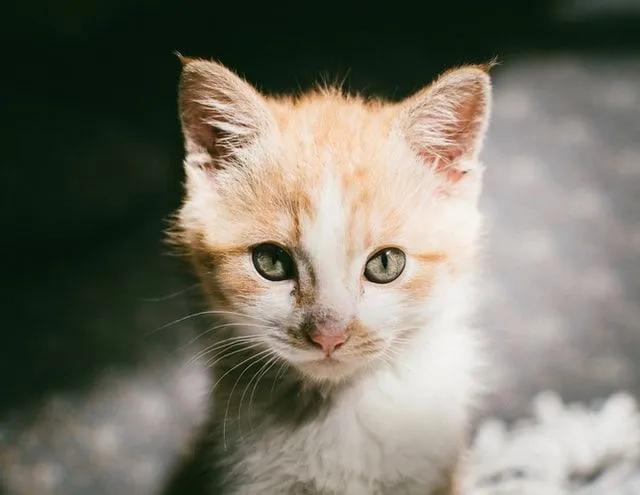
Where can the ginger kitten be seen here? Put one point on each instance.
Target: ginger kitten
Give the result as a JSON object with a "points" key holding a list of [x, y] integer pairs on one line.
{"points": [[336, 240]]}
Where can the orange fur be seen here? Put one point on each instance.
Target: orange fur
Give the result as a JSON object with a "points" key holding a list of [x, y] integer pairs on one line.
{"points": [[398, 182]]}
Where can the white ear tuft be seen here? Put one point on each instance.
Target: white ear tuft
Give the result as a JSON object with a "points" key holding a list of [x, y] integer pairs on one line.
{"points": [[220, 112], [445, 122]]}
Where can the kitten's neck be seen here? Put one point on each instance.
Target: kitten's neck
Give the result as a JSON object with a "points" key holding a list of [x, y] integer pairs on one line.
{"points": [[264, 391]]}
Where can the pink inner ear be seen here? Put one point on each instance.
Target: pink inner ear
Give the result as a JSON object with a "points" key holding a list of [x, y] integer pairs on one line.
{"points": [[455, 138], [454, 175], [444, 162]]}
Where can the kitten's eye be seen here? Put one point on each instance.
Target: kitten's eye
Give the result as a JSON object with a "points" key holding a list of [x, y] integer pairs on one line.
{"points": [[385, 266], [273, 263]]}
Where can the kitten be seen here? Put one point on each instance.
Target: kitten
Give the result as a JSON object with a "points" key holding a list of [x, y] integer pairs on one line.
{"points": [[336, 241]]}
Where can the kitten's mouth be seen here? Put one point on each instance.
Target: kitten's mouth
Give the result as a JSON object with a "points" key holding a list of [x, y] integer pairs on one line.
{"points": [[333, 368], [327, 360], [328, 369]]}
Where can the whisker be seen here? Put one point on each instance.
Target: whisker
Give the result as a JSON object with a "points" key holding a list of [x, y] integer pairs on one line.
{"points": [[386, 360], [257, 374], [283, 367], [405, 329], [391, 353], [273, 362], [256, 359], [208, 312], [226, 411], [224, 325], [246, 388], [215, 359], [265, 351], [234, 338], [241, 315], [232, 341], [180, 320], [170, 295]]}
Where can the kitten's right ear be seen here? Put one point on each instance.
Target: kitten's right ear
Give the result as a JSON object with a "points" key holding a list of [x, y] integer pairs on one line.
{"points": [[221, 114], [445, 123]]}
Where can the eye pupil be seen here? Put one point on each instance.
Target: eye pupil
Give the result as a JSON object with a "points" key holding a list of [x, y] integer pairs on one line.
{"points": [[384, 259], [275, 256]]}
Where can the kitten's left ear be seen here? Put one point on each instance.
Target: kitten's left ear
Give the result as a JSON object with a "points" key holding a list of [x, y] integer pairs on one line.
{"points": [[445, 123]]}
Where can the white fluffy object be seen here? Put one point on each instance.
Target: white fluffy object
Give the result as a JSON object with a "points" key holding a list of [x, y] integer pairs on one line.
{"points": [[563, 450]]}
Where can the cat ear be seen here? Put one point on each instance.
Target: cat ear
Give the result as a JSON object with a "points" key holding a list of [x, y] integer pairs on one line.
{"points": [[445, 123], [220, 113]]}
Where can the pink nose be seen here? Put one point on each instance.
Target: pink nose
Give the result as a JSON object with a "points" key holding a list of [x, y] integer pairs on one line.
{"points": [[329, 342]]}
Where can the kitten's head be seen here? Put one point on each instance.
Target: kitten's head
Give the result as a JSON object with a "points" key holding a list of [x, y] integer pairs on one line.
{"points": [[333, 229]]}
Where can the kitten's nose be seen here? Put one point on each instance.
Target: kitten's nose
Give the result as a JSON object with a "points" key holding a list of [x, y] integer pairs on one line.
{"points": [[329, 341]]}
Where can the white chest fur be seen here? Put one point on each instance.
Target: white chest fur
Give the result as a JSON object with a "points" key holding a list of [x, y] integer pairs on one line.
{"points": [[397, 431]]}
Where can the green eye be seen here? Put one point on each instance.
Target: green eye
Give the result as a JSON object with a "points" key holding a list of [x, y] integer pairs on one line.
{"points": [[273, 263], [385, 266]]}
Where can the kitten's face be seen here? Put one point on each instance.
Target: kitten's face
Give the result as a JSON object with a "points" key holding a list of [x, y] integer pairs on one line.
{"points": [[330, 229]]}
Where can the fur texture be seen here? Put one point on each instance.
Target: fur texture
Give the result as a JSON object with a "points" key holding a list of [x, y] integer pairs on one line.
{"points": [[333, 179]]}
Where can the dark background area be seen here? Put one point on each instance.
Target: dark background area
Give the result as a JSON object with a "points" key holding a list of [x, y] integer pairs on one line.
{"points": [[91, 168]]}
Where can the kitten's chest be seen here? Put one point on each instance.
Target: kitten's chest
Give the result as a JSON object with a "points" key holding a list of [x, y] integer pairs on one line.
{"points": [[371, 441]]}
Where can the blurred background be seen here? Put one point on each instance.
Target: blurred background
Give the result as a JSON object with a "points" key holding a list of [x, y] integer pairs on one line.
{"points": [[96, 394]]}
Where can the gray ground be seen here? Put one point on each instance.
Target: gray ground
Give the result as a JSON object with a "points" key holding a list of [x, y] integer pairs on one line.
{"points": [[560, 296]]}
